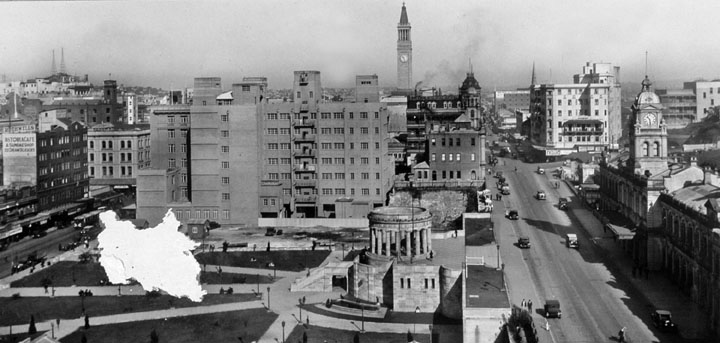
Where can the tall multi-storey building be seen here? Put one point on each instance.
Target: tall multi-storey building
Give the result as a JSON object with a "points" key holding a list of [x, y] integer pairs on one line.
{"points": [[92, 111], [116, 153], [456, 152], [581, 116], [425, 112], [62, 175], [404, 53], [689, 104], [245, 158], [512, 100]]}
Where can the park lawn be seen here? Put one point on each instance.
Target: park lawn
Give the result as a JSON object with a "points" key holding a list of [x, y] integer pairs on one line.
{"points": [[289, 260], [213, 278], [18, 311], [214, 327], [323, 334], [65, 274]]}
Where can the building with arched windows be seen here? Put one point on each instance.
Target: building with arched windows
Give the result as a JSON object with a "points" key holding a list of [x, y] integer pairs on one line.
{"points": [[632, 183]]}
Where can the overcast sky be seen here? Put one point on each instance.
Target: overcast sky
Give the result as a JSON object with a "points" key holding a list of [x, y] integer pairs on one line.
{"points": [[159, 43]]}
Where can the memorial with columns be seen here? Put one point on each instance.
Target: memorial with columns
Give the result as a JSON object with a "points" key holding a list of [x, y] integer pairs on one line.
{"points": [[401, 232]]}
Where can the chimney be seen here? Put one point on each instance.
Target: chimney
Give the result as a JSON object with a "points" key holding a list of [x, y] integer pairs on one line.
{"points": [[711, 177]]}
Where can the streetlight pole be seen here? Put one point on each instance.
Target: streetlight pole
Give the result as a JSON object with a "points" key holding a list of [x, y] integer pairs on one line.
{"points": [[417, 310], [257, 279], [362, 313], [300, 307], [283, 327], [268, 289]]}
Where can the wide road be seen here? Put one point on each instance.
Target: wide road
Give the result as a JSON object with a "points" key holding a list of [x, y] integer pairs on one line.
{"points": [[44, 246], [595, 303]]}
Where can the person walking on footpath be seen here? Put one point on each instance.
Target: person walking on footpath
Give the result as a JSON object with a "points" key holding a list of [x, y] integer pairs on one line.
{"points": [[529, 305], [522, 303], [57, 321]]}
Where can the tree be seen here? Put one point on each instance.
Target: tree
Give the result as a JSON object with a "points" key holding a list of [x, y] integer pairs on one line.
{"points": [[305, 337], [225, 246], [410, 336], [356, 339], [154, 338], [32, 329]]}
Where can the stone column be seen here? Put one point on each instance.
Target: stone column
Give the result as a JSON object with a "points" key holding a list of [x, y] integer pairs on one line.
{"points": [[386, 235], [372, 240], [408, 236], [421, 249], [378, 242], [397, 243], [429, 239], [417, 243]]}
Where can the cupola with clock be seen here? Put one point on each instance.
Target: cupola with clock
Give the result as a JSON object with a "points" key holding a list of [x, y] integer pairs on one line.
{"points": [[404, 52], [648, 133]]}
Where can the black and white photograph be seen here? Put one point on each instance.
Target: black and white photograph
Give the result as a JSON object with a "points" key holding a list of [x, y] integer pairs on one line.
{"points": [[346, 171]]}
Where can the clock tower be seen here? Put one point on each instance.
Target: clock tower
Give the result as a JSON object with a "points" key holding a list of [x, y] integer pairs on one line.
{"points": [[404, 53], [648, 134]]}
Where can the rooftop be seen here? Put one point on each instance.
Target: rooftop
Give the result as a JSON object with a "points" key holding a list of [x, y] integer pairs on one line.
{"points": [[485, 288], [479, 231]]}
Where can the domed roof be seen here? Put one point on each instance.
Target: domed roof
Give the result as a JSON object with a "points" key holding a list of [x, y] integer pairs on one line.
{"points": [[470, 83], [647, 96]]}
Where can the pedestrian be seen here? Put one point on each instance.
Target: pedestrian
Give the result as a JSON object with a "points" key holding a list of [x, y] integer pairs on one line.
{"points": [[57, 321], [529, 305], [522, 303], [46, 288], [53, 290], [119, 290]]}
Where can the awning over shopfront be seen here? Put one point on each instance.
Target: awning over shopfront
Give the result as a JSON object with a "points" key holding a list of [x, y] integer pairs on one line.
{"points": [[620, 232]]}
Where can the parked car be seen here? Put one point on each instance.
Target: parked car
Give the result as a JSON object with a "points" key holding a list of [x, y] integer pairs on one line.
{"points": [[571, 241], [524, 242], [552, 309], [511, 214], [541, 171], [270, 231], [662, 319], [279, 232], [540, 195], [39, 234]]}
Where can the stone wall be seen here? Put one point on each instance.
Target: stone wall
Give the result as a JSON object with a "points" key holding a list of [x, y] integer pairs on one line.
{"points": [[446, 206], [421, 292]]}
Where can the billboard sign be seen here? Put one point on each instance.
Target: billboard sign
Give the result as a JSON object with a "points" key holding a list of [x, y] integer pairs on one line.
{"points": [[19, 158]]}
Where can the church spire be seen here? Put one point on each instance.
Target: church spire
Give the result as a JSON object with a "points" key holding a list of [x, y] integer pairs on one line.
{"points": [[54, 67], [470, 63], [533, 80]]}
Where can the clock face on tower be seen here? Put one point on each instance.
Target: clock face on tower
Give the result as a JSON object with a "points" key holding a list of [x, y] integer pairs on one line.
{"points": [[649, 118], [403, 58]]}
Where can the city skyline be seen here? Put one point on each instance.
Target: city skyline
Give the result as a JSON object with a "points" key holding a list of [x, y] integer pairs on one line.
{"points": [[167, 44]]}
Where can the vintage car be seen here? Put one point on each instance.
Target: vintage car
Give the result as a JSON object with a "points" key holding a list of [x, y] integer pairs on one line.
{"points": [[571, 241], [540, 195], [511, 214], [541, 171], [563, 203], [552, 309], [662, 320], [524, 242]]}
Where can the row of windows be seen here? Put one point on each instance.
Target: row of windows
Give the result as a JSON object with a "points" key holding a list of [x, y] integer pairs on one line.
{"points": [[581, 139], [124, 144], [59, 181], [341, 130], [172, 163], [281, 131], [449, 157], [585, 102], [201, 214], [341, 191], [583, 112], [269, 202], [171, 133], [457, 141], [323, 115], [108, 157], [110, 171], [183, 119], [61, 140], [60, 167], [406, 283], [64, 196], [340, 160], [341, 176]]}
